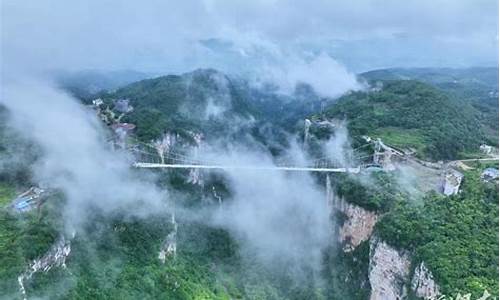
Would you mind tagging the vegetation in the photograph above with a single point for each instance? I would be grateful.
(347, 273)
(456, 236)
(204, 100)
(23, 239)
(116, 257)
(475, 86)
(439, 127)
(209, 102)
(6, 194)
(378, 191)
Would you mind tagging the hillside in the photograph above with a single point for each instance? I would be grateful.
(412, 114)
(88, 82)
(118, 255)
(476, 86)
(456, 236)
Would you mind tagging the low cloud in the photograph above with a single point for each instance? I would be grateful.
(74, 154)
(280, 216)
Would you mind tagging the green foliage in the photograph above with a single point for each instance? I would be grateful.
(456, 236)
(403, 138)
(7, 193)
(475, 86)
(117, 258)
(440, 127)
(347, 273)
(22, 239)
(180, 103)
(378, 192)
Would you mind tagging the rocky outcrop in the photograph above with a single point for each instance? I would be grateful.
(195, 176)
(164, 145)
(357, 227)
(55, 257)
(307, 126)
(388, 271)
(169, 245)
(451, 182)
(423, 284)
(358, 224)
(389, 274)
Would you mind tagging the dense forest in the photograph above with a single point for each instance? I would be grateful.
(116, 256)
(414, 115)
(456, 236)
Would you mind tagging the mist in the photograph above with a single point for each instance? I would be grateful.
(74, 155)
(166, 37)
(278, 215)
(281, 217)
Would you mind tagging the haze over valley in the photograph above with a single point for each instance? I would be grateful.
(250, 150)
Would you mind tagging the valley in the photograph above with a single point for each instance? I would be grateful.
(382, 193)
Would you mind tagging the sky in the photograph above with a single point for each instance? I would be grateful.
(242, 36)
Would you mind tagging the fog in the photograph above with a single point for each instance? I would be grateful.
(278, 215)
(75, 157)
(167, 37)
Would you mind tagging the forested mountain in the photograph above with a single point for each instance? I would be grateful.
(412, 114)
(88, 82)
(207, 101)
(380, 230)
(476, 86)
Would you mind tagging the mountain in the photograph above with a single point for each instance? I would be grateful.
(213, 104)
(487, 77)
(417, 115)
(88, 82)
(383, 238)
(477, 86)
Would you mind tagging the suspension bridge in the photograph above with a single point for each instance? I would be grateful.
(237, 167)
(150, 156)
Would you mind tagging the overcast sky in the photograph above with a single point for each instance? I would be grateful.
(174, 36)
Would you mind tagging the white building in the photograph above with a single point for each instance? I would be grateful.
(486, 149)
(451, 182)
(489, 174)
(97, 102)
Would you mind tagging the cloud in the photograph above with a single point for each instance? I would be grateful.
(278, 215)
(74, 156)
(324, 74)
(163, 36)
(338, 147)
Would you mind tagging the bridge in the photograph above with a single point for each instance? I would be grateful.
(237, 167)
(149, 156)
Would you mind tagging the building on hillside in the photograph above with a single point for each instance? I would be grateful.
(486, 149)
(123, 106)
(97, 102)
(385, 155)
(489, 174)
(122, 130)
(451, 182)
(28, 200)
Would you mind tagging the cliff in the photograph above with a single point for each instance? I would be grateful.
(388, 271)
(357, 224)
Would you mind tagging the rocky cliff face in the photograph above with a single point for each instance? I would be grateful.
(169, 246)
(389, 274)
(357, 227)
(358, 224)
(388, 271)
(195, 176)
(423, 284)
(55, 257)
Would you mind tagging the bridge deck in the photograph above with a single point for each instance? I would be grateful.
(261, 168)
